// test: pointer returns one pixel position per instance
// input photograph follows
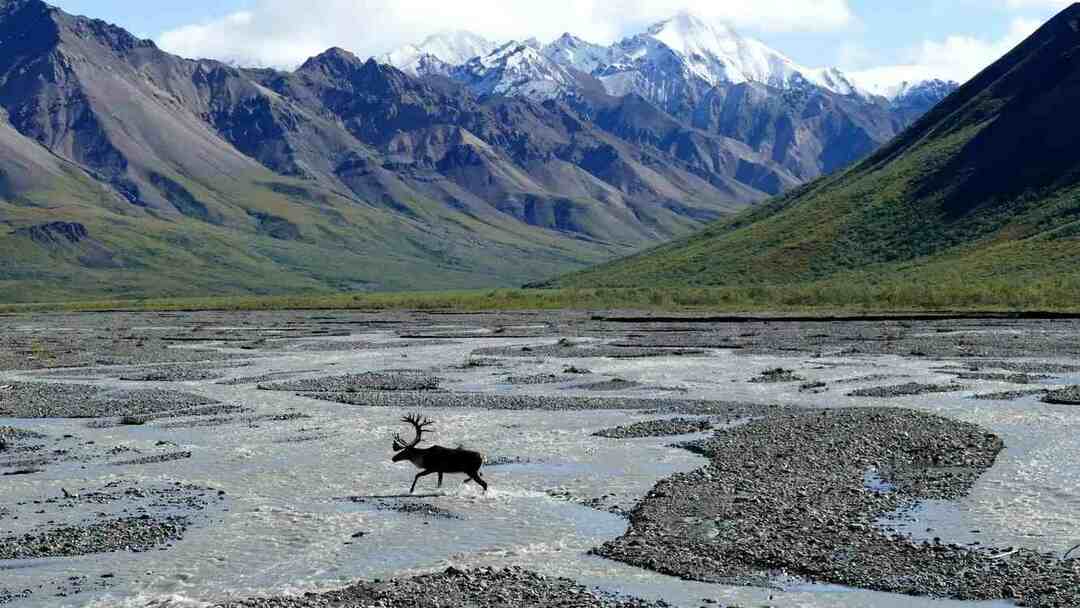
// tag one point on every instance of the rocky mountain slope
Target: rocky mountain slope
(984, 187)
(809, 121)
(170, 176)
(194, 176)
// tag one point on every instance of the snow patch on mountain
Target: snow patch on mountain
(516, 69)
(569, 50)
(898, 92)
(718, 54)
(438, 53)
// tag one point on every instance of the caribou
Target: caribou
(436, 459)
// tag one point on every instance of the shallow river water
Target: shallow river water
(293, 507)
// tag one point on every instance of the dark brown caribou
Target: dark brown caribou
(436, 459)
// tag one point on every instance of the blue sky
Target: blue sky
(947, 38)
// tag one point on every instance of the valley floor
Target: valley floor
(243, 459)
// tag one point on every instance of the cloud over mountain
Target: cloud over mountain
(283, 33)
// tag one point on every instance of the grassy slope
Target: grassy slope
(344, 245)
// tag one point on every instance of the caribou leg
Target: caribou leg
(475, 476)
(417, 478)
(440, 479)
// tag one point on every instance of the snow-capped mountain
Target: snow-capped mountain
(569, 50)
(517, 69)
(704, 77)
(919, 91)
(438, 53)
(687, 47)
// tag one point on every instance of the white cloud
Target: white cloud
(956, 58)
(285, 32)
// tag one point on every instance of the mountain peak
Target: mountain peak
(449, 48)
(334, 60)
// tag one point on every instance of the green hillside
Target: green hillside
(984, 188)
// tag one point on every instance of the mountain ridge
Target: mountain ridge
(714, 80)
(986, 186)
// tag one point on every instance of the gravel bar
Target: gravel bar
(483, 588)
(788, 493)
(558, 351)
(1010, 395)
(134, 534)
(1065, 396)
(667, 427)
(49, 400)
(397, 381)
(906, 390)
(492, 401)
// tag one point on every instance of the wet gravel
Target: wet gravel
(421, 400)
(174, 374)
(1003, 377)
(376, 381)
(1026, 367)
(156, 459)
(409, 507)
(483, 588)
(1065, 396)
(342, 346)
(905, 390)
(135, 534)
(10, 435)
(776, 376)
(538, 379)
(52, 400)
(666, 427)
(788, 493)
(8, 596)
(560, 351)
(261, 379)
(615, 384)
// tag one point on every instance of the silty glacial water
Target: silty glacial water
(299, 492)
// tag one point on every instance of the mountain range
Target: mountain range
(126, 171)
(983, 189)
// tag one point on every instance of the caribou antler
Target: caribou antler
(419, 424)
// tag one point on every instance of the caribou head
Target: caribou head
(436, 459)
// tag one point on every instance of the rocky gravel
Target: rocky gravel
(1003, 377)
(10, 435)
(1065, 396)
(409, 507)
(614, 384)
(174, 374)
(341, 346)
(778, 375)
(155, 459)
(1026, 367)
(8, 596)
(538, 379)
(574, 351)
(135, 534)
(262, 379)
(788, 493)
(666, 427)
(53, 400)
(492, 401)
(453, 588)
(1010, 395)
(906, 390)
(369, 381)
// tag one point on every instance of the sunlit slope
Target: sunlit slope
(987, 185)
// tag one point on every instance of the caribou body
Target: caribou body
(436, 459)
